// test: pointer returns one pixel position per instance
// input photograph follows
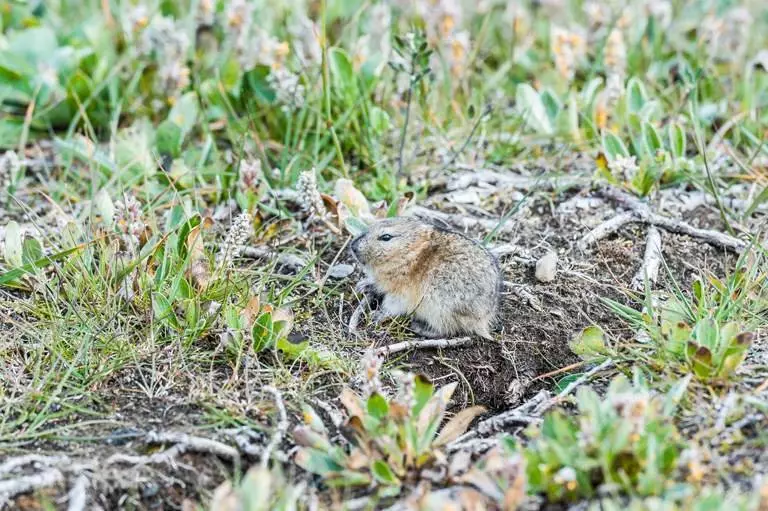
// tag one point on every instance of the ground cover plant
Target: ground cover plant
(180, 321)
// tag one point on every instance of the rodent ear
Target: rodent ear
(437, 223)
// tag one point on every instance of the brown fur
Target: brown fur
(447, 281)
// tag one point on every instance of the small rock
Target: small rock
(546, 267)
(292, 261)
(341, 271)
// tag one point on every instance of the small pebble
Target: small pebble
(341, 271)
(546, 267)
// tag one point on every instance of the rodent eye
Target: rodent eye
(385, 237)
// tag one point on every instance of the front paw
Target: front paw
(365, 286)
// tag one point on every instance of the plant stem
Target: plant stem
(407, 118)
(327, 95)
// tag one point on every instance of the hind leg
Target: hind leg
(423, 329)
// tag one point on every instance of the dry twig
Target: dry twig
(651, 260)
(183, 443)
(422, 344)
(640, 212)
(280, 428)
(606, 229)
(11, 487)
(77, 495)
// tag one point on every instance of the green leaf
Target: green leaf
(382, 473)
(676, 137)
(573, 118)
(184, 113)
(563, 382)
(700, 359)
(314, 356)
(317, 462)
(11, 131)
(707, 334)
(636, 96)
(551, 105)
(613, 146)
(674, 396)
(34, 45)
(163, 310)
(11, 276)
(186, 227)
(379, 120)
(31, 251)
(262, 332)
(651, 138)
(589, 343)
(377, 406)
(355, 226)
(735, 353)
(85, 151)
(13, 244)
(342, 72)
(761, 197)
(168, 138)
(532, 109)
(422, 392)
(256, 80)
(104, 207)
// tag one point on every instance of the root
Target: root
(422, 344)
(651, 261)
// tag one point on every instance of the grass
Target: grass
(161, 246)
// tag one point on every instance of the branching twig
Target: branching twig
(184, 443)
(651, 261)
(280, 428)
(422, 344)
(644, 214)
(529, 412)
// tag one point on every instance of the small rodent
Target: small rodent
(450, 283)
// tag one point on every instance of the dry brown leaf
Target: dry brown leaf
(199, 272)
(435, 406)
(224, 498)
(357, 459)
(403, 203)
(352, 403)
(352, 198)
(285, 315)
(251, 311)
(458, 425)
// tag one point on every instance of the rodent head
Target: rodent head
(393, 244)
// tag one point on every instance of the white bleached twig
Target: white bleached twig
(422, 344)
(651, 260)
